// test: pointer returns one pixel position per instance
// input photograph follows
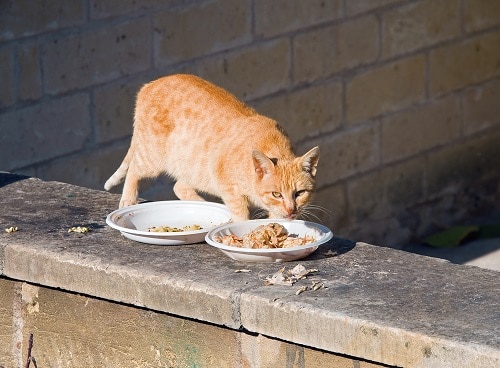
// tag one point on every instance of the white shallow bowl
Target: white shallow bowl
(133, 221)
(240, 229)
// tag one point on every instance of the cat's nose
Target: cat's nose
(290, 210)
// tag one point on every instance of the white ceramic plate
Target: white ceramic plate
(298, 227)
(133, 221)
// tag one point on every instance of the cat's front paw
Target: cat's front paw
(127, 202)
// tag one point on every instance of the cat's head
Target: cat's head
(285, 187)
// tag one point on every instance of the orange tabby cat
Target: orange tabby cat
(209, 141)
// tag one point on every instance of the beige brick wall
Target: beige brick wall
(212, 26)
(394, 91)
(410, 132)
(419, 24)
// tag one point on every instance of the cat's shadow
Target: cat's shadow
(333, 248)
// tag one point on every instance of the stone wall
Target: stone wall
(99, 299)
(73, 330)
(402, 96)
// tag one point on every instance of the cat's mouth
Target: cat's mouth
(288, 216)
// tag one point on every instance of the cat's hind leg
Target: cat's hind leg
(186, 192)
(130, 194)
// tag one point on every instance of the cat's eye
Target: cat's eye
(277, 195)
(300, 192)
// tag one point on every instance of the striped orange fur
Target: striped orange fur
(210, 142)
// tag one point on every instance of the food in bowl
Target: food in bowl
(272, 235)
(168, 229)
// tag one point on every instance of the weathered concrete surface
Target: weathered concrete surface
(388, 306)
(73, 330)
(380, 304)
(8, 338)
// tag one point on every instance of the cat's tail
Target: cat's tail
(119, 176)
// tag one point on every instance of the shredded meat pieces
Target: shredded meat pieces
(268, 236)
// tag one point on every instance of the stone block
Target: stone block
(262, 351)
(43, 131)
(362, 6)
(461, 183)
(276, 17)
(8, 355)
(414, 131)
(89, 169)
(64, 330)
(419, 24)
(356, 43)
(320, 53)
(480, 14)
(307, 112)
(347, 153)
(96, 56)
(7, 76)
(114, 109)
(314, 54)
(458, 65)
(190, 32)
(480, 107)
(386, 88)
(111, 8)
(30, 79)
(25, 18)
(251, 72)
(384, 192)
(159, 189)
(455, 167)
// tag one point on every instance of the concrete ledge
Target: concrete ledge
(388, 306)
(379, 304)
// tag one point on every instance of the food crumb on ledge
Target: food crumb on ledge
(79, 229)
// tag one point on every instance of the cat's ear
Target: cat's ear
(263, 165)
(309, 161)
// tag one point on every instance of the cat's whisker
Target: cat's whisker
(309, 216)
(319, 208)
(307, 212)
(324, 211)
(259, 214)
